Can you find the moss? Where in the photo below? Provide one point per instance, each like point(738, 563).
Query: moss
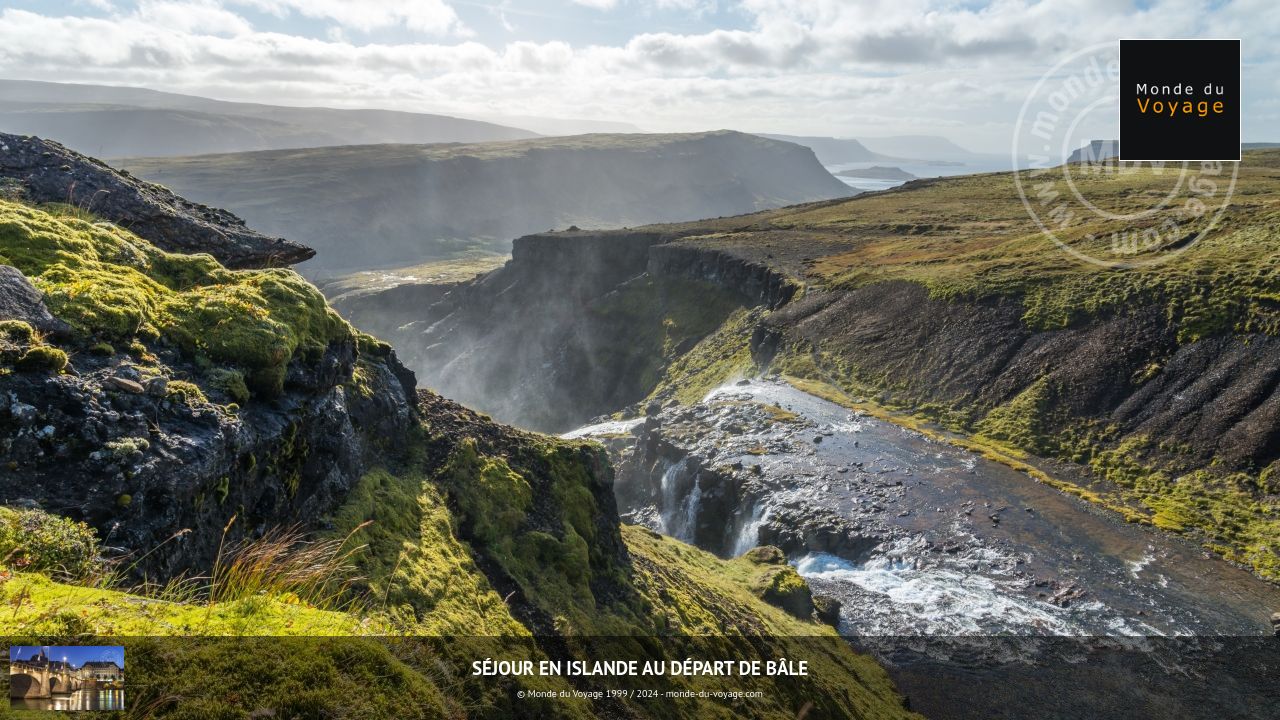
point(1023, 420)
point(370, 345)
point(38, 541)
point(102, 349)
point(42, 358)
point(126, 448)
point(18, 331)
point(110, 285)
point(185, 392)
point(783, 587)
point(231, 382)
point(716, 359)
point(34, 600)
point(124, 500)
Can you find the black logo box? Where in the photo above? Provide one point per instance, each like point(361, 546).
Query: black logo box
point(1180, 65)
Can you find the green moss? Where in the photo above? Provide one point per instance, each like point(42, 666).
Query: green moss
point(185, 392)
point(34, 540)
point(1023, 420)
point(128, 447)
point(231, 382)
point(111, 285)
point(18, 331)
point(42, 358)
point(719, 357)
point(102, 349)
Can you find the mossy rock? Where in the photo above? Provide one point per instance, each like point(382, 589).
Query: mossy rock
point(112, 286)
point(766, 555)
point(784, 588)
point(42, 358)
point(17, 331)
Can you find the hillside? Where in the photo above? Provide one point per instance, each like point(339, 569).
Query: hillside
point(108, 121)
point(1150, 391)
point(365, 207)
point(831, 151)
point(211, 453)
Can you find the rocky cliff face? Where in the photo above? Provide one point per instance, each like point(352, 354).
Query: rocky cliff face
point(153, 394)
point(577, 323)
point(42, 171)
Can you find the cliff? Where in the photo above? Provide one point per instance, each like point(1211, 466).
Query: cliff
point(379, 206)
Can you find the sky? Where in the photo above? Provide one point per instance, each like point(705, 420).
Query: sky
point(77, 655)
point(840, 68)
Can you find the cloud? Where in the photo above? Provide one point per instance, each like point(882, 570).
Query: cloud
point(597, 4)
point(801, 66)
point(426, 16)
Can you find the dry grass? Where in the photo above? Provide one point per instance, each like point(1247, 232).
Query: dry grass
point(284, 563)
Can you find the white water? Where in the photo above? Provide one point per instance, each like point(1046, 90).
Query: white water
point(936, 601)
point(612, 427)
point(670, 501)
point(749, 535)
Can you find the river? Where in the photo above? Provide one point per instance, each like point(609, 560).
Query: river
point(925, 542)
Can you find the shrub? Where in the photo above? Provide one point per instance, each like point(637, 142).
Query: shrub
point(38, 541)
point(42, 358)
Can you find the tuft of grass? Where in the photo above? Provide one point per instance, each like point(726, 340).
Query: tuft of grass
point(284, 563)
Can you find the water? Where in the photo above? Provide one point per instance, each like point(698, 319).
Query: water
point(980, 164)
point(1048, 563)
point(78, 700)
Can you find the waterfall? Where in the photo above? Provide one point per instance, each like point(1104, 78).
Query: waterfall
point(749, 534)
point(670, 492)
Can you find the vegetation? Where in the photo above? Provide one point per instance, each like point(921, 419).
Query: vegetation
point(112, 286)
point(36, 541)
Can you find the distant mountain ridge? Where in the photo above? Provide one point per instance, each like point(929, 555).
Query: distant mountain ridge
point(107, 121)
point(830, 150)
point(379, 206)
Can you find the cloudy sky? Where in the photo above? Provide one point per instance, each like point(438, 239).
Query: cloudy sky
point(826, 67)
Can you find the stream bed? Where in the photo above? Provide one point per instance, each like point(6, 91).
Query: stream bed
point(941, 559)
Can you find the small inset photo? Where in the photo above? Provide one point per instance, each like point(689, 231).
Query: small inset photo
point(66, 677)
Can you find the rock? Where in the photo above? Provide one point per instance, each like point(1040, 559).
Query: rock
point(1275, 623)
point(827, 609)
point(20, 300)
point(766, 555)
point(157, 386)
point(150, 211)
point(124, 384)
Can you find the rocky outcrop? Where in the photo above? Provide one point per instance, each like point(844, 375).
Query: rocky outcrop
point(20, 300)
point(761, 284)
point(577, 324)
point(42, 171)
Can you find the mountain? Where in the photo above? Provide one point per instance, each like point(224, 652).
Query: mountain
point(920, 147)
point(564, 126)
point(211, 453)
point(1096, 151)
point(108, 121)
point(376, 206)
point(831, 151)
